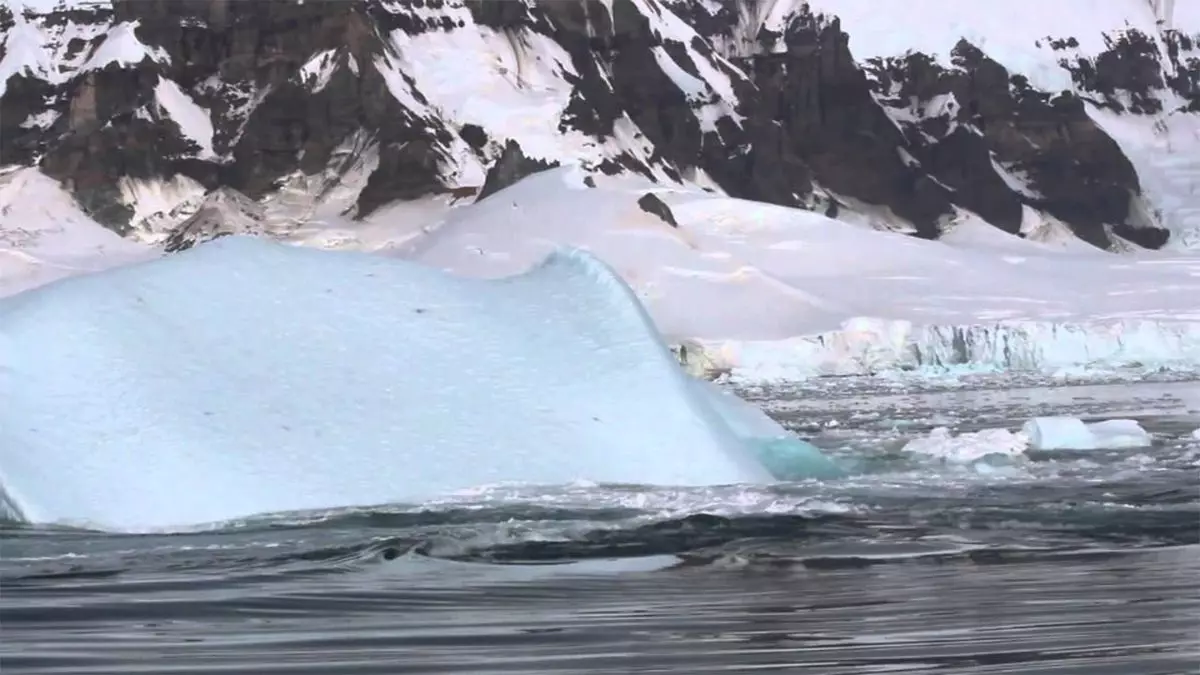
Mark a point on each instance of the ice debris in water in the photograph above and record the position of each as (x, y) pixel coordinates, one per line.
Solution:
(969, 447)
(1072, 433)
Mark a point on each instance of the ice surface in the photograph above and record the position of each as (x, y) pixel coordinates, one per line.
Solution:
(244, 376)
(867, 345)
(785, 456)
(1072, 433)
(966, 448)
(1114, 434)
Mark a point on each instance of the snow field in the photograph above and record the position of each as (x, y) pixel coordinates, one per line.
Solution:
(791, 294)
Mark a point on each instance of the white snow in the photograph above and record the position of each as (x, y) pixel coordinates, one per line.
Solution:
(692, 87)
(122, 46)
(1014, 34)
(316, 73)
(43, 6)
(1165, 151)
(40, 120)
(785, 293)
(24, 52)
(39, 48)
(244, 376)
(509, 83)
(45, 236)
(193, 120)
(788, 293)
(1016, 180)
(1072, 433)
(159, 204)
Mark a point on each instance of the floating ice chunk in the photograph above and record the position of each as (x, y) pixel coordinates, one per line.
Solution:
(969, 447)
(1058, 433)
(1116, 434)
(243, 377)
(1196, 434)
(1071, 433)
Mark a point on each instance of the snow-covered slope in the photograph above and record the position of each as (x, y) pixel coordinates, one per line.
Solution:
(746, 165)
(44, 236)
(995, 108)
(775, 292)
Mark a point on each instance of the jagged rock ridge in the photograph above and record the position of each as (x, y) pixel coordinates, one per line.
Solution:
(450, 96)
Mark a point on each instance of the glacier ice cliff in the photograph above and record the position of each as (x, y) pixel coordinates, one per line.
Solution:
(866, 346)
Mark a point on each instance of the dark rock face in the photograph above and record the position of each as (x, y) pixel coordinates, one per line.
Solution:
(652, 204)
(1183, 53)
(786, 116)
(987, 126)
(922, 138)
(512, 166)
(824, 104)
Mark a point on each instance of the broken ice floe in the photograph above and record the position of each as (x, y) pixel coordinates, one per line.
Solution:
(1072, 433)
(1039, 433)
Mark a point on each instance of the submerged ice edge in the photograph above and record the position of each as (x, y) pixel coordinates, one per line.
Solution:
(869, 346)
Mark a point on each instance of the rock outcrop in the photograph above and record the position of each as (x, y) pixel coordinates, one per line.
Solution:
(438, 96)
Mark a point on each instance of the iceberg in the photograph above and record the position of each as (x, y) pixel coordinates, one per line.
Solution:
(783, 454)
(1072, 433)
(245, 377)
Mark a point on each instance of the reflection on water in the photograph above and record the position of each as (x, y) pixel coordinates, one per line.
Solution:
(1134, 612)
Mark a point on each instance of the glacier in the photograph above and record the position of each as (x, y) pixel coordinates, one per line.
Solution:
(245, 377)
(869, 346)
(789, 294)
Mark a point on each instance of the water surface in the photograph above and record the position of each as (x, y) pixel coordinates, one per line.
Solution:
(1054, 563)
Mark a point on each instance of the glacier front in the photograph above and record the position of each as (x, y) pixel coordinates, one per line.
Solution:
(245, 377)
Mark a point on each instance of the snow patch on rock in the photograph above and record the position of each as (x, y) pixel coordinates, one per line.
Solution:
(194, 121)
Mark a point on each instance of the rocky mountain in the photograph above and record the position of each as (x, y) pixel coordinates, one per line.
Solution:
(177, 120)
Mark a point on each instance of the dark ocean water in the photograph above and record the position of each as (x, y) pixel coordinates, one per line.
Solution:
(1059, 563)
